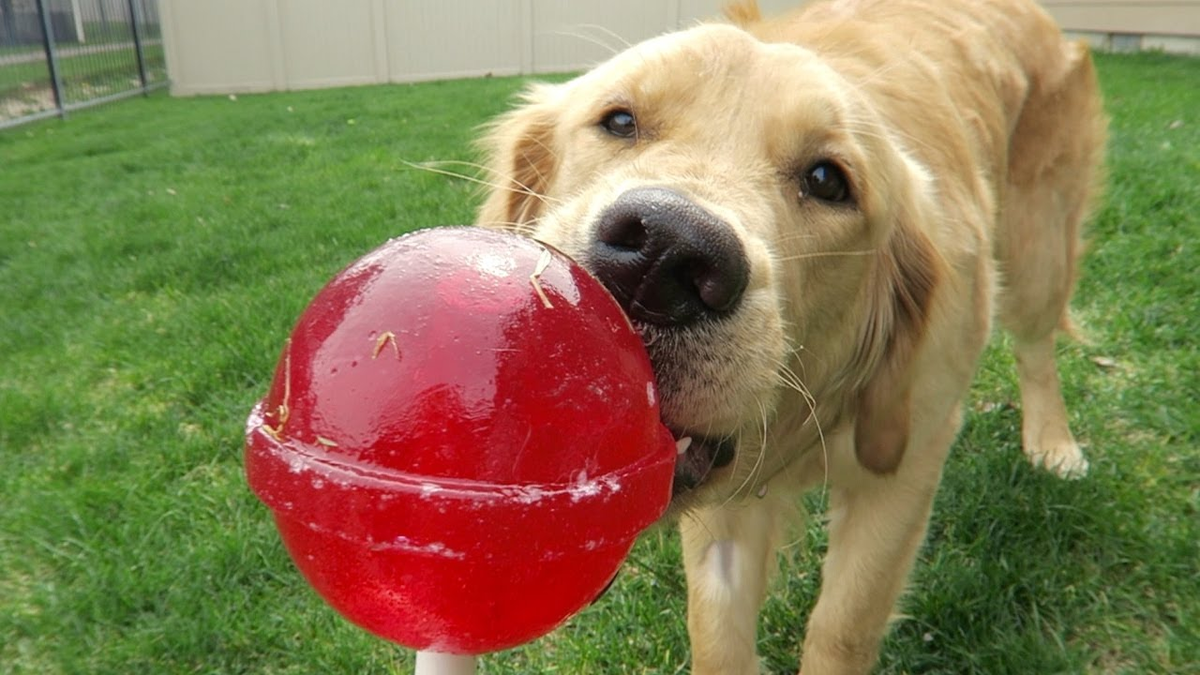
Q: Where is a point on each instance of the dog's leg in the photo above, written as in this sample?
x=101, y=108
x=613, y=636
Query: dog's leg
x=728, y=553
x=1041, y=271
x=1041, y=260
x=1054, y=162
x=1045, y=434
x=876, y=525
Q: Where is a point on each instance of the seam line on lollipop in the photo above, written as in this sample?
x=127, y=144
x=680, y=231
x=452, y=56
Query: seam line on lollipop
x=535, y=278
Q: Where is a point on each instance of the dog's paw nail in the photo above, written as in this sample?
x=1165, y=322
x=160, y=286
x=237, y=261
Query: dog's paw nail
x=1066, y=462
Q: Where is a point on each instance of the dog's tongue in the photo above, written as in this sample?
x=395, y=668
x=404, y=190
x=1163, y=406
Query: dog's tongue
x=697, y=457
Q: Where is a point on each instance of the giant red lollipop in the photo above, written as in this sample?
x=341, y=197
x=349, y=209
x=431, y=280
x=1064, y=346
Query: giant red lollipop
x=462, y=441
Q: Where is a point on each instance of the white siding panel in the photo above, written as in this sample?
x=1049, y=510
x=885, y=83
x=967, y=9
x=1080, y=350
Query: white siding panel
x=327, y=44
x=576, y=35
x=221, y=46
x=453, y=38
x=692, y=12
x=216, y=46
x=1161, y=17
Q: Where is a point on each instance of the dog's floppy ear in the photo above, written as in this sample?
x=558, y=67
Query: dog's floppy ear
x=906, y=273
x=521, y=161
x=743, y=12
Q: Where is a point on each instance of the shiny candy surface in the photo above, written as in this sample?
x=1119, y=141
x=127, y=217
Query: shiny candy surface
x=461, y=441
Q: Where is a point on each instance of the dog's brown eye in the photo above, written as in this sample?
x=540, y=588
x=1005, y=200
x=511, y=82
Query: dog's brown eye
x=825, y=181
x=620, y=123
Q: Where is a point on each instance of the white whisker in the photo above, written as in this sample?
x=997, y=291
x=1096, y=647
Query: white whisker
x=828, y=254
x=520, y=189
x=591, y=39
x=762, y=455
x=453, y=162
x=790, y=379
x=626, y=44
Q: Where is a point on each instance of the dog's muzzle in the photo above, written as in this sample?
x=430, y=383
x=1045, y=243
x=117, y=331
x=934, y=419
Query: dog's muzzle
x=671, y=264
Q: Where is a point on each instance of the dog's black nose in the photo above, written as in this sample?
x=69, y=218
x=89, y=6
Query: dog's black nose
x=667, y=260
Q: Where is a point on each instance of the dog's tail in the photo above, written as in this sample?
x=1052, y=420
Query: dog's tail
x=743, y=12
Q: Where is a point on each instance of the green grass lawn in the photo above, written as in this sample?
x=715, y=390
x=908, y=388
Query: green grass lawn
x=154, y=254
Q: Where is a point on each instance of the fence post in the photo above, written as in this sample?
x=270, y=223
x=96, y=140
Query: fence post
x=137, y=45
x=51, y=57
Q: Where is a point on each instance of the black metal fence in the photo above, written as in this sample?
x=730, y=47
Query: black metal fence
x=61, y=55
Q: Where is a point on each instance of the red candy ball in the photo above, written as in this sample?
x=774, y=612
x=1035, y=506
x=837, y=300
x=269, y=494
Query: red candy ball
x=462, y=441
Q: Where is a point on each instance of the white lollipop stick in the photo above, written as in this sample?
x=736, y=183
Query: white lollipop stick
x=436, y=663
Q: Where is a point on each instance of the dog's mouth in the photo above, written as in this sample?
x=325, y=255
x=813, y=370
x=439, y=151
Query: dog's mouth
x=698, y=456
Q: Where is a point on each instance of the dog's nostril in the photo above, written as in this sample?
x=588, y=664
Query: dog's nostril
x=668, y=261
x=625, y=233
x=715, y=291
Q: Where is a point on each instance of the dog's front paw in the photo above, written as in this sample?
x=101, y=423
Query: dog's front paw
x=1063, y=458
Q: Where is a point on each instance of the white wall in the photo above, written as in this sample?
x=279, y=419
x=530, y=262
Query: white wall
x=223, y=46
x=1175, y=18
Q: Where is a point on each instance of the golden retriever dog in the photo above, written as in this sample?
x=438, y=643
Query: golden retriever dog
x=812, y=221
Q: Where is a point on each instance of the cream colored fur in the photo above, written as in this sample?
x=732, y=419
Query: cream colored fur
x=972, y=136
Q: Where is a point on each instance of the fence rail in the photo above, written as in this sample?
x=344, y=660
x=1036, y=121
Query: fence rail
x=57, y=56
